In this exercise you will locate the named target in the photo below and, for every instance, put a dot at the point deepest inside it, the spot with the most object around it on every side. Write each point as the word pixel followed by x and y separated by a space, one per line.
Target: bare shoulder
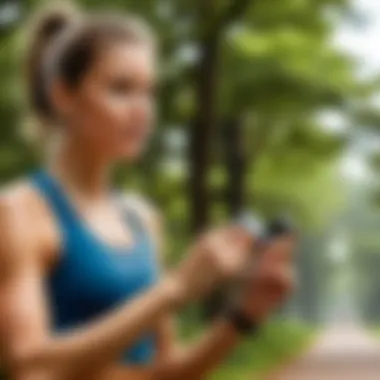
pixel 22 222
pixel 17 207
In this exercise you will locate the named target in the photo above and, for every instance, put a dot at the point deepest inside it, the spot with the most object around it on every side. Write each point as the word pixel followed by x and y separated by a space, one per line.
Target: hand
pixel 270 282
pixel 218 256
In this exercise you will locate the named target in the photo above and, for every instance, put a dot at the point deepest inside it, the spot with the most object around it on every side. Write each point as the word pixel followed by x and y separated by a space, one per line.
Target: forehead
pixel 133 60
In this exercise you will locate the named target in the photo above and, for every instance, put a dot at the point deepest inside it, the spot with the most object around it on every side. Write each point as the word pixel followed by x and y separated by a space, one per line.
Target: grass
pixel 375 330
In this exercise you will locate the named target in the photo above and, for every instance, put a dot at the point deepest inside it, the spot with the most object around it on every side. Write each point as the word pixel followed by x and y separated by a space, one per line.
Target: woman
pixel 81 296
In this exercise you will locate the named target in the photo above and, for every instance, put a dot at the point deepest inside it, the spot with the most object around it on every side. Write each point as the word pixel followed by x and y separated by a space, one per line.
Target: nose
pixel 140 108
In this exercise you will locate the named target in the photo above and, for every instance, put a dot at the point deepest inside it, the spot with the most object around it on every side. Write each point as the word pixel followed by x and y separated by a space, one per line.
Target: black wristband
pixel 241 323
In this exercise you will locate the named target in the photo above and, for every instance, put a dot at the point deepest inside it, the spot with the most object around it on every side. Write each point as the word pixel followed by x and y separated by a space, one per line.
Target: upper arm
pixel 23 312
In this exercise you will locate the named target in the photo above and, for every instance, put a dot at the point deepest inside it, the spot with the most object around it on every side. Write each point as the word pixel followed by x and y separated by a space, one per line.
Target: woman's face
pixel 112 111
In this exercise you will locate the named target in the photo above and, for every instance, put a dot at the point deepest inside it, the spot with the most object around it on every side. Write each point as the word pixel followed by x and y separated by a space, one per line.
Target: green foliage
pixel 276 69
pixel 278 343
pixel 292 180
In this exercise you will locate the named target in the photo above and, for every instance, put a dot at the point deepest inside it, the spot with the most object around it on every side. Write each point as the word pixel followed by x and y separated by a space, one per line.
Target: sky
pixel 362 41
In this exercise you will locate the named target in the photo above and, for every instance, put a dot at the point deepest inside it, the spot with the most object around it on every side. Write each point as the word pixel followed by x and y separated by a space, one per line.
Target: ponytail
pixel 47 27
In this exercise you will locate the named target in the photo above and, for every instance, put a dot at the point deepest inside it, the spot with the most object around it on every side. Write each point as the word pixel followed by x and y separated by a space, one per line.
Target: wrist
pixel 245 316
pixel 242 323
pixel 253 305
pixel 253 313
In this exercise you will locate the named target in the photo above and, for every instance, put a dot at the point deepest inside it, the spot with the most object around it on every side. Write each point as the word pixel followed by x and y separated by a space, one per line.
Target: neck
pixel 83 170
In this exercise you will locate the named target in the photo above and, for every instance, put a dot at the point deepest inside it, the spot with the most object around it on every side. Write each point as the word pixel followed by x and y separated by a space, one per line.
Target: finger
pixel 244 235
pixel 242 240
pixel 234 240
pixel 279 250
pixel 232 236
pixel 290 278
pixel 223 240
pixel 281 280
pixel 288 245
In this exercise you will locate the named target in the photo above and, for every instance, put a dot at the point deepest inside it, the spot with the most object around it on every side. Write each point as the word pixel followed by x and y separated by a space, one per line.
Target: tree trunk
pixel 201 133
pixel 236 163
pixel 212 28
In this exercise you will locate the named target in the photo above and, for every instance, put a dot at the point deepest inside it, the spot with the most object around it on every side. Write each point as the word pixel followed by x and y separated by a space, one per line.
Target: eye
pixel 121 86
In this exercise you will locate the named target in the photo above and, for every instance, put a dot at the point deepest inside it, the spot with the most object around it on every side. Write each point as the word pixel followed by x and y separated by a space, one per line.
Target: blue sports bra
pixel 93 277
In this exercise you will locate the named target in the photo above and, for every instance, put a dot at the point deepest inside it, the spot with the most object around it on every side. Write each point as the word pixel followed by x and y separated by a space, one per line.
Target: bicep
pixel 23 312
pixel 24 318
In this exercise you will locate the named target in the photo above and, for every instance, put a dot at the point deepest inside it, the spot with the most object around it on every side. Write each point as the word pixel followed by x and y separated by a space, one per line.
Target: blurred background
pixel 265 105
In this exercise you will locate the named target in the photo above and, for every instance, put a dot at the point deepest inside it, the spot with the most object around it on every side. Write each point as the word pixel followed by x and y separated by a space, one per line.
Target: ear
pixel 62 99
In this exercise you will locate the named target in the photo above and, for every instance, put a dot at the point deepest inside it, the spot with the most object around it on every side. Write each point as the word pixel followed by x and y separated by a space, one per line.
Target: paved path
pixel 342 353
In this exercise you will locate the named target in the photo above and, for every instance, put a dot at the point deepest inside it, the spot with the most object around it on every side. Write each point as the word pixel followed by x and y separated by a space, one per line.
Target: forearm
pixel 96 345
pixel 195 362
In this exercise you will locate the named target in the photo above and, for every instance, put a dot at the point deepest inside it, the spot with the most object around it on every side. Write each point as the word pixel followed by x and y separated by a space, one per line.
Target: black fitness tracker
pixel 241 322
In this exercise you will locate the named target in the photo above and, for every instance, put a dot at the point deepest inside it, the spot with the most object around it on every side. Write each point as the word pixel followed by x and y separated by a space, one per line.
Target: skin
pixel 109 117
